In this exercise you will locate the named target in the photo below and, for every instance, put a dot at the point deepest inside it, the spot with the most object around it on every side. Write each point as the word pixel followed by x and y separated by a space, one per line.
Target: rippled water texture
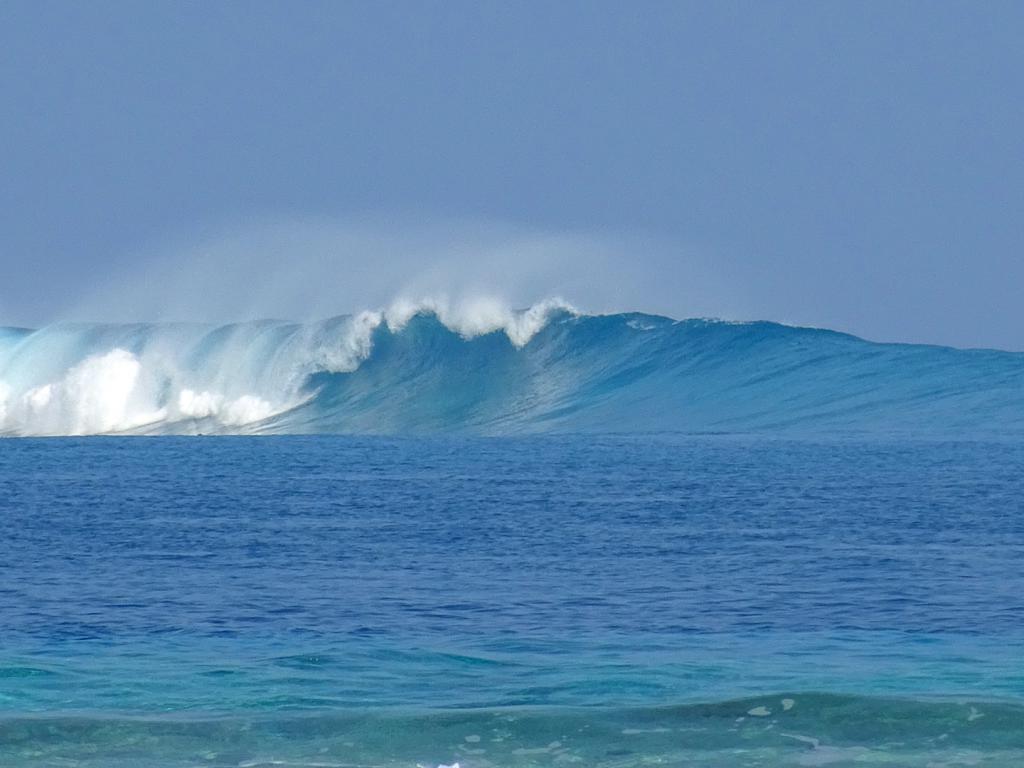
pixel 327 601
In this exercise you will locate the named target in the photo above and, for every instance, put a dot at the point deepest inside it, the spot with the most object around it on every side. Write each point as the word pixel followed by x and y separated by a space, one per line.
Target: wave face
pixel 486 370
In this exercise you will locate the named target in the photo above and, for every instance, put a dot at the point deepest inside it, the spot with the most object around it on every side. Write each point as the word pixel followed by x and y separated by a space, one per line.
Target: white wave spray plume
pixel 309 268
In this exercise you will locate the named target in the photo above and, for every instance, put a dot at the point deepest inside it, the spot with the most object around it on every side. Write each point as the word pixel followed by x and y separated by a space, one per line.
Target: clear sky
pixel 854 165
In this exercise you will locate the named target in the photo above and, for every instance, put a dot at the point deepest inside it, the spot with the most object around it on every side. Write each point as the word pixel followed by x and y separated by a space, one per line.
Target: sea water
pixel 514 601
pixel 544 370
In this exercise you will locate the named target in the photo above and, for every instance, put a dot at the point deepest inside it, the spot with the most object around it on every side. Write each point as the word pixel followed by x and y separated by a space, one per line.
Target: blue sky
pixel 855 165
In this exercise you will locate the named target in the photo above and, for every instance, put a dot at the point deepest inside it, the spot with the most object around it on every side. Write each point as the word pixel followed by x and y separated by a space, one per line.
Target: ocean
pixel 761 599
pixel 423 370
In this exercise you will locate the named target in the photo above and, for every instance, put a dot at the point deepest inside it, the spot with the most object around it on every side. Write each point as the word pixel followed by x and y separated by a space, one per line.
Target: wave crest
pixel 480 316
pixel 97 379
pixel 478 366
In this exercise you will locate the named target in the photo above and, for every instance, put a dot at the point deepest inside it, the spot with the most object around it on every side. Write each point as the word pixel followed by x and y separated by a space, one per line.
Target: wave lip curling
pixel 480 367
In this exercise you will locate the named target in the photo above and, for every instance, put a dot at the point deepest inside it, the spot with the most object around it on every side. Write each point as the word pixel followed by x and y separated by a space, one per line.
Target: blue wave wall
pixel 561 372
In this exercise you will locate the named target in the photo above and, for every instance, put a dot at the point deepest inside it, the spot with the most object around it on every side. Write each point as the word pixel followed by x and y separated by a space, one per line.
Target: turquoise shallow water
pixel 610 601
pixel 794 730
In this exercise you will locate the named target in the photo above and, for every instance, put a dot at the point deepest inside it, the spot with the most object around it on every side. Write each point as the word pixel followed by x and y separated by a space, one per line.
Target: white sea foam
pixel 246 409
pixel 119 391
pixel 479 316
pixel 5 393
pixel 107 379
pixel 99 394
pixel 323 351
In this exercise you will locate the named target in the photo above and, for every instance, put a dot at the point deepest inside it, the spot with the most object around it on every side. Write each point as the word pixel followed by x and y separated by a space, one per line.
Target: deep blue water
pixel 614 601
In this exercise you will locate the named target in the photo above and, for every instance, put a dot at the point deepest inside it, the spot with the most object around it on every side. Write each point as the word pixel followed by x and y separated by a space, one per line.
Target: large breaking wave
pixel 482 368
